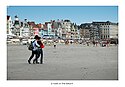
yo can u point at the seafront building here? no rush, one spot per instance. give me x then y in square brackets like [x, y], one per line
[9, 25]
[108, 29]
[99, 30]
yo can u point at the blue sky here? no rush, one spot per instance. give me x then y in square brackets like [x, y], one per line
[77, 14]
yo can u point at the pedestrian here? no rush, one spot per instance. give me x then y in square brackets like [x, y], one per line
[87, 42]
[35, 50]
[40, 50]
[107, 43]
[93, 43]
[54, 44]
[96, 43]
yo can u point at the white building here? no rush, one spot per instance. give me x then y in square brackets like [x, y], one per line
[17, 26]
[108, 30]
[113, 30]
[9, 25]
[67, 27]
[24, 30]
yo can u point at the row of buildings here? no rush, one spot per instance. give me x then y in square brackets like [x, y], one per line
[99, 30]
[62, 29]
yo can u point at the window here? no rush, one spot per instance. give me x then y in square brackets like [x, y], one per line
[104, 36]
[16, 22]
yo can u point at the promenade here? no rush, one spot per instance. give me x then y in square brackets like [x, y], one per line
[66, 62]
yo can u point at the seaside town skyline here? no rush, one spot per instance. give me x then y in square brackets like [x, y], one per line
[62, 22]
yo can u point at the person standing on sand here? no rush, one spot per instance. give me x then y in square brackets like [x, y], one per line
[40, 50]
[54, 44]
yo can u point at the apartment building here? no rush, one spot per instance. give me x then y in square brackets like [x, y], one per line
[85, 31]
[108, 30]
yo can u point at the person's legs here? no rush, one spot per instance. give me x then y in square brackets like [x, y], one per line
[37, 56]
[41, 52]
[32, 55]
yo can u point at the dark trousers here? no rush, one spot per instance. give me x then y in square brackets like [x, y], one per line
[41, 53]
[32, 55]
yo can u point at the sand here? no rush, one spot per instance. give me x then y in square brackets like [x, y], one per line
[66, 62]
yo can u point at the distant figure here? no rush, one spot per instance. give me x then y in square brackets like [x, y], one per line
[70, 42]
[107, 43]
[87, 43]
[66, 42]
[93, 43]
[100, 43]
[96, 43]
[54, 44]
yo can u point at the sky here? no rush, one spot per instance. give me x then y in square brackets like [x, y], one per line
[77, 14]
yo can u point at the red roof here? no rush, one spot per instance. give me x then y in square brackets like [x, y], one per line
[32, 24]
[35, 25]
[39, 25]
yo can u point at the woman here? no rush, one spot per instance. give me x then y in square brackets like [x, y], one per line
[40, 50]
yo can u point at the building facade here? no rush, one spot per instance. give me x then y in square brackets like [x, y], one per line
[74, 31]
[113, 30]
[85, 31]
[63, 29]
[9, 25]
[17, 25]
[25, 29]
[107, 30]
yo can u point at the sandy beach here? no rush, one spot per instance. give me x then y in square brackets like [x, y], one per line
[66, 62]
